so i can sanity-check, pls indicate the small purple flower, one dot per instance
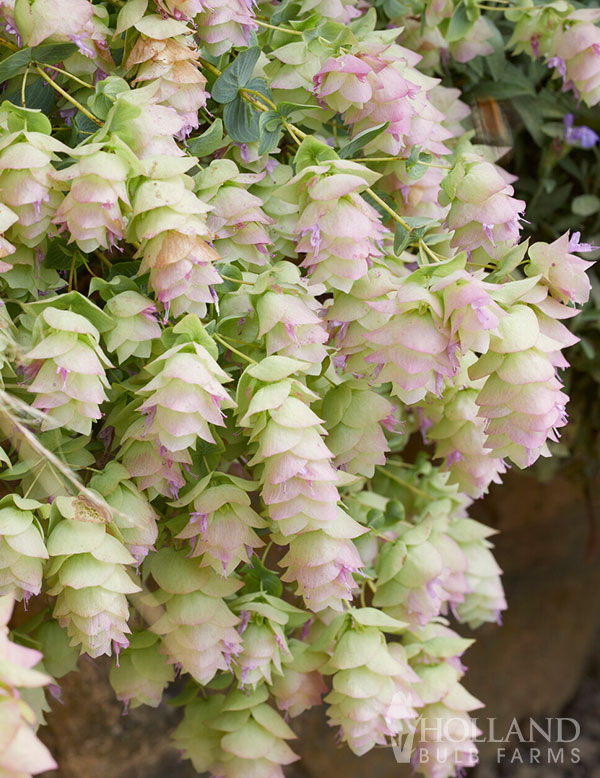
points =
(582, 248)
(560, 64)
(584, 136)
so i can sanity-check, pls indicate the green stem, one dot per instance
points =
(430, 251)
(397, 159)
(256, 94)
(287, 30)
(389, 210)
(8, 44)
(102, 258)
(68, 97)
(237, 280)
(24, 86)
(229, 347)
(70, 75)
(266, 551)
(209, 66)
(404, 483)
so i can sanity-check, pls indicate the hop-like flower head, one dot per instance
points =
(27, 183)
(221, 526)
(186, 395)
(92, 210)
(237, 219)
(371, 698)
(22, 548)
(142, 672)
(88, 575)
(354, 417)
(338, 231)
(562, 271)
(70, 379)
(171, 63)
(135, 325)
(197, 628)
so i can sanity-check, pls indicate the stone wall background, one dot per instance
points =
(531, 666)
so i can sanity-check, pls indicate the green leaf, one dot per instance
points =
(270, 128)
(51, 53)
(283, 11)
(372, 617)
(241, 121)
(366, 136)
(225, 88)
(586, 205)
(128, 269)
(259, 578)
(496, 61)
(287, 109)
(261, 86)
(531, 116)
(192, 326)
(312, 152)
(107, 91)
(209, 141)
(83, 126)
(460, 24)
(20, 118)
(12, 65)
(515, 84)
(39, 95)
(511, 260)
(59, 256)
(402, 238)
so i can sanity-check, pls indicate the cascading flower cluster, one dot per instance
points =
(250, 264)
(22, 753)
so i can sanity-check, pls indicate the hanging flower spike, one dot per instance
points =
(186, 395)
(170, 223)
(170, 62)
(221, 526)
(338, 231)
(417, 353)
(142, 673)
(92, 210)
(27, 183)
(21, 753)
(69, 366)
(135, 325)
(289, 315)
(483, 213)
(22, 548)
(354, 417)
(90, 583)
(237, 217)
(197, 629)
(576, 58)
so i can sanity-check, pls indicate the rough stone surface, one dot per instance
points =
(531, 666)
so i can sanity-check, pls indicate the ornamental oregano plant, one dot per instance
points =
(248, 252)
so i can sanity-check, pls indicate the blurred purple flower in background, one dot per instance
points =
(584, 136)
